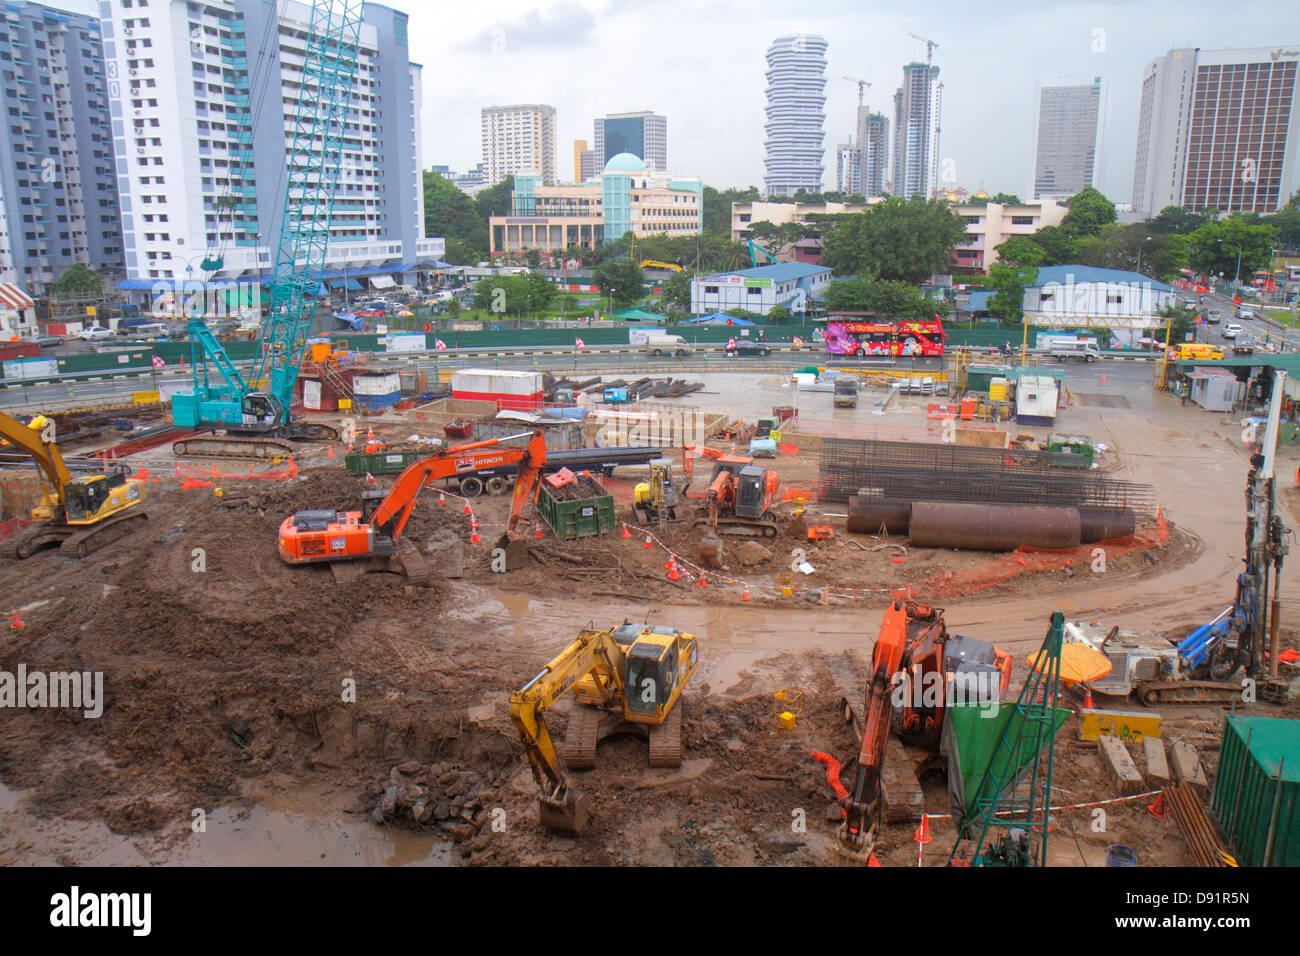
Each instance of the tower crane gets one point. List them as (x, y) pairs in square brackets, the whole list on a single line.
[(862, 87), (254, 411)]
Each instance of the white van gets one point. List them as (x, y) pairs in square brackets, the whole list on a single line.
[(1083, 351), (664, 344)]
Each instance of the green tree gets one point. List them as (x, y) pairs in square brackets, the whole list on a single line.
[(1021, 251), (1215, 247), (1176, 219), (78, 280), (1058, 247), (677, 291), (1008, 283), (450, 214), (717, 208), (620, 279), (1005, 199), (531, 292), (888, 298), (1161, 255), (778, 240), (778, 314), (1089, 211), (533, 258), (901, 239), (496, 200), (1180, 321)]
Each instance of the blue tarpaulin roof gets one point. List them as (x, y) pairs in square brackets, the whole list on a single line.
[(352, 285), (717, 318)]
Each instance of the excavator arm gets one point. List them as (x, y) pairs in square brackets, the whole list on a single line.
[(593, 655), (394, 511), (888, 658), (45, 454)]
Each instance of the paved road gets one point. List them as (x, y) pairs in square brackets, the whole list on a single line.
[(1259, 332)]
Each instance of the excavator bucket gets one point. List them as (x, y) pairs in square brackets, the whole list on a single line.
[(711, 549), (569, 812)]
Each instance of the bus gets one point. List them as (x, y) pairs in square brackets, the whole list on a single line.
[(860, 333)]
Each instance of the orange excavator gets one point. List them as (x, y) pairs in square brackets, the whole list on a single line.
[(371, 539), (917, 670), (738, 502)]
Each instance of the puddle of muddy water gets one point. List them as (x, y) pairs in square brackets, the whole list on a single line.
[(270, 835)]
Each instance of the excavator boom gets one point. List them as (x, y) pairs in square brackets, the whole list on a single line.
[(45, 453)]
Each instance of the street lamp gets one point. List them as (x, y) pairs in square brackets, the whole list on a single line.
[(1236, 276), (1139, 265)]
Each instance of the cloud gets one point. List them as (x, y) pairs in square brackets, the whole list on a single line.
[(566, 24)]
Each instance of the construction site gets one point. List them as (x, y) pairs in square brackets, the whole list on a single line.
[(545, 621), (311, 605)]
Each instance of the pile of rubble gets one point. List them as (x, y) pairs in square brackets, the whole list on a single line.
[(439, 795)]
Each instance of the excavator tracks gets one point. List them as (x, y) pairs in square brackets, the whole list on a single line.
[(1188, 692), (238, 447), (74, 541), (581, 738), (666, 740)]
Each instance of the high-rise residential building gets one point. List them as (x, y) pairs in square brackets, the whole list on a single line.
[(204, 99), (1067, 144), (644, 135), (796, 117), (589, 165), (861, 163), (1218, 129), (913, 128), (519, 141), (58, 189)]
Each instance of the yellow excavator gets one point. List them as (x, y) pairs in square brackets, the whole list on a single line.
[(626, 680), (76, 514)]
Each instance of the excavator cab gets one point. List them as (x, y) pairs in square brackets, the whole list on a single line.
[(261, 410), (91, 498)]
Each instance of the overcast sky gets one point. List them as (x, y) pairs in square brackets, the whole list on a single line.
[(701, 64)]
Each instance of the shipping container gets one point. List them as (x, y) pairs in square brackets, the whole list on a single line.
[(1256, 795), (518, 390), (376, 403), (589, 515), (377, 384), (384, 463)]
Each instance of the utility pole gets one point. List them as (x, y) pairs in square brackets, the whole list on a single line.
[(929, 60)]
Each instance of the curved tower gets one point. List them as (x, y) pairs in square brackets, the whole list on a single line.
[(796, 117)]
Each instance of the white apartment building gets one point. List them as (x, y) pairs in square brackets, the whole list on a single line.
[(203, 99), (517, 141)]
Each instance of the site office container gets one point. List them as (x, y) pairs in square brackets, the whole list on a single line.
[(1249, 798), (592, 514), (507, 388)]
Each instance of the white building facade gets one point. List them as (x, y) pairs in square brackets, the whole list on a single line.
[(203, 98), (518, 141), (796, 114), (1087, 297)]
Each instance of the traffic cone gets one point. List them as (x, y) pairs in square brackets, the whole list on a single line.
[(745, 596), (1157, 809), (700, 582), (922, 834), (16, 622), (329, 451), (539, 534), (871, 860), (626, 534), (1087, 697), (673, 574), (467, 508), (473, 537), (442, 499), (1103, 378), (178, 469), (648, 543)]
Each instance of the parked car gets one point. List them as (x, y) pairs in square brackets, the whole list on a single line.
[(747, 347), (1231, 330), (96, 334), (45, 341)]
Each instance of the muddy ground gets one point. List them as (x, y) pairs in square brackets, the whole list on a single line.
[(241, 687), (226, 672)]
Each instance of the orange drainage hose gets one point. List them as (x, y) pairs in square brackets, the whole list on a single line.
[(832, 775)]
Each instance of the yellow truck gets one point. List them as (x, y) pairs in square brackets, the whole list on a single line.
[(1195, 350)]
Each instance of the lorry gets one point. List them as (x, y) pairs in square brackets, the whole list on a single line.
[(1063, 350), (846, 391), (665, 344)]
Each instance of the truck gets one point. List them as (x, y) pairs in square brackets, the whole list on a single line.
[(1195, 350), (1063, 350), (846, 391), (665, 344)]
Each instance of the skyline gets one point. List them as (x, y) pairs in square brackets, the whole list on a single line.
[(591, 58)]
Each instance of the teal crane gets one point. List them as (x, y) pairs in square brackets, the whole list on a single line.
[(259, 404)]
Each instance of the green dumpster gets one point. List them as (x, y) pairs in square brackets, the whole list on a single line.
[(580, 509)]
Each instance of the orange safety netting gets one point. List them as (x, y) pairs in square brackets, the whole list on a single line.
[(1006, 567)]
